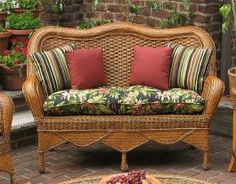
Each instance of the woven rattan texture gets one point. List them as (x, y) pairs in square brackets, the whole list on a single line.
[(6, 113)]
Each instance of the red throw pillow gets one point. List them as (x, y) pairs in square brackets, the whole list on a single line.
[(86, 68), (151, 67)]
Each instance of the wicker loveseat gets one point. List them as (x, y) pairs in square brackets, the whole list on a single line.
[(123, 133)]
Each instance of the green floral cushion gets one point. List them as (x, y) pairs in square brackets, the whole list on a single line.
[(134, 100)]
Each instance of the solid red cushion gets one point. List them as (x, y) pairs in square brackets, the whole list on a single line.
[(86, 68), (151, 67)]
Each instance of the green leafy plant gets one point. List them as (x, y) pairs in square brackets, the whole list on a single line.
[(89, 23), (27, 4), (228, 13), (176, 18), (2, 29), (23, 21), (7, 5)]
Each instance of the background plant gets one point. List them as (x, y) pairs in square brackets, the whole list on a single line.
[(228, 13), (27, 4), (89, 23), (23, 21), (175, 18), (7, 5), (57, 6)]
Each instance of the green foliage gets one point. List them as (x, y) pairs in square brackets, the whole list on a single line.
[(133, 8), (176, 18), (155, 5), (225, 12), (23, 21), (2, 29), (89, 23), (27, 4), (6, 6)]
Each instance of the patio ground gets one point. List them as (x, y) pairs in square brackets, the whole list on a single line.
[(68, 162)]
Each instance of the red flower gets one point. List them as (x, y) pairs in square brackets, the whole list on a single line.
[(6, 52)]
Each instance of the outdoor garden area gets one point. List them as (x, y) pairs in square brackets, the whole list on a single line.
[(117, 91)]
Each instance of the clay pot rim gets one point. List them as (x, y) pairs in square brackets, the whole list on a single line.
[(3, 12), (20, 10), (14, 68), (21, 31), (5, 34)]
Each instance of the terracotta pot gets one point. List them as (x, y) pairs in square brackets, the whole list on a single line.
[(20, 11), (21, 35), (4, 38), (12, 79), (3, 15)]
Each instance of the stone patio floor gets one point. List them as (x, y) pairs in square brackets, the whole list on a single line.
[(68, 162)]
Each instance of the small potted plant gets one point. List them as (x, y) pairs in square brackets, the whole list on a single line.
[(22, 26), (13, 66), (5, 7), (27, 5), (4, 38)]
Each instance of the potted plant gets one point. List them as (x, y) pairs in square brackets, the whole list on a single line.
[(22, 26), (4, 38), (13, 66), (27, 5), (5, 7)]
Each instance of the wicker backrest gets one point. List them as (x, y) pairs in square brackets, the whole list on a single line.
[(118, 41)]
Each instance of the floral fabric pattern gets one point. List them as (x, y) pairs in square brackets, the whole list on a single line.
[(134, 100)]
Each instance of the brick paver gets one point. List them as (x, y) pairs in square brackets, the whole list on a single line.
[(69, 162)]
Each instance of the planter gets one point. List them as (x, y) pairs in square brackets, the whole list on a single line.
[(12, 80), (21, 35), (232, 78), (20, 11), (3, 15), (4, 39)]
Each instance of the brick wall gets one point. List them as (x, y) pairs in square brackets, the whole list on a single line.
[(72, 14)]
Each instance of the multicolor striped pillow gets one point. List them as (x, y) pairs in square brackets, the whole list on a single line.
[(52, 70), (188, 67)]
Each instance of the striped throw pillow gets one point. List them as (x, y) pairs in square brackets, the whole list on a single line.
[(188, 67), (52, 70)]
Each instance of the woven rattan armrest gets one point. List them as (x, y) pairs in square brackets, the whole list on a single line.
[(6, 109), (33, 93), (212, 93)]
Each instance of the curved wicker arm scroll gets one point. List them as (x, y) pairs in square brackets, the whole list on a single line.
[(7, 109), (34, 95), (212, 93)]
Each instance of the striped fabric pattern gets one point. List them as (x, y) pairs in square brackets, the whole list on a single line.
[(188, 67), (52, 70)]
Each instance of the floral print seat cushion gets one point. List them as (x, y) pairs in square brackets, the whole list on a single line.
[(134, 100)]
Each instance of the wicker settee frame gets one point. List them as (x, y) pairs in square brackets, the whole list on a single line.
[(6, 112), (122, 133)]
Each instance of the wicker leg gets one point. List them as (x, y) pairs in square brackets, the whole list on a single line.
[(232, 163), (41, 163), (206, 161), (124, 165), (13, 179)]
